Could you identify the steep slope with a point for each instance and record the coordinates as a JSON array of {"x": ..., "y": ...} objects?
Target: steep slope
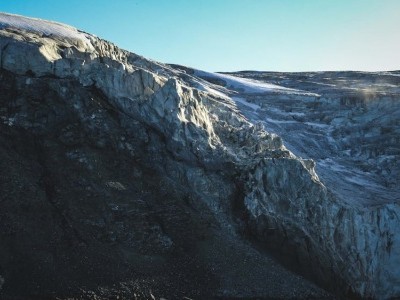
[
  {"x": 114, "y": 179},
  {"x": 348, "y": 123},
  {"x": 123, "y": 176}
]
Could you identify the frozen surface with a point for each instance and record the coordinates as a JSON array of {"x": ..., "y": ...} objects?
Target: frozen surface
[
  {"x": 339, "y": 123},
  {"x": 42, "y": 27},
  {"x": 248, "y": 86},
  {"x": 245, "y": 103}
]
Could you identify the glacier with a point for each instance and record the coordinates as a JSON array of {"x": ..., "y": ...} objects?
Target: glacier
[{"x": 310, "y": 159}]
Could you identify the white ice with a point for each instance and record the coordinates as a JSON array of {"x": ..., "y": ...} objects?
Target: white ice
[
  {"x": 41, "y": 26},
  {"x": 249, "y": 86}
]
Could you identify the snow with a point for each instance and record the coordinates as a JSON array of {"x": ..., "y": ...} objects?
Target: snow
[
  {"x": 320, "y": 83},
  {"x": 297, "y": 114},
  {"x": 331, "y": 164},
  {"x": 249, "y": 86},
  {"x": 213, "y": 91},
  {"x": 275, "y": 121},
  {"x": 359, "y": 181},
  {"x": 245, "y": 103},
  {"x": 42, "y": 27},
  {"x": 317, "y": 125}
]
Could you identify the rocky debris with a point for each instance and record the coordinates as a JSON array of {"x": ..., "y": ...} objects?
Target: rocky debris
[{"x": 117, "y": 170}]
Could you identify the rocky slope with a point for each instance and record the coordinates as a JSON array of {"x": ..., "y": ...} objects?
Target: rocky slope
[{"x": 125, "y": 177}]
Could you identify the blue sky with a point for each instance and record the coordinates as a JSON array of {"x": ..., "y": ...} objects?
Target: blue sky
[{"x": 231, "y": 35}]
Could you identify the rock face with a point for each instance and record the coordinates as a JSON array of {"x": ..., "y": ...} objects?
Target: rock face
[{"x": 125, "y": 177}]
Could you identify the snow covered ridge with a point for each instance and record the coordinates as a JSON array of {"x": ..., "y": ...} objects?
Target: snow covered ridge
[
  {"x": 250, "y": 86},
  {"x": 43, "y": 27}
]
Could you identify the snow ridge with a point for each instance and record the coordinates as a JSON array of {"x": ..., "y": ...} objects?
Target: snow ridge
[
  {"x": 46, "y": 28},
  {"x": 250, "y": 86}
]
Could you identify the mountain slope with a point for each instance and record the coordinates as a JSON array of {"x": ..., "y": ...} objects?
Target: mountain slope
[{"x": 124, "y": 176}]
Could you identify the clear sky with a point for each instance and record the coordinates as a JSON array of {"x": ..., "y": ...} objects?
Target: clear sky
[{"x": 232, "y": 35}]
